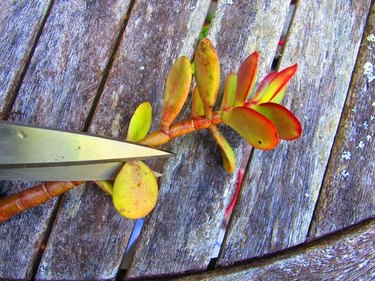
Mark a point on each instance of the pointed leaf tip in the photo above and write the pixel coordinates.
(255, 128)
(140, 122)
(135, 190)
(273, 85)
(246, 78)
(207, 74)
(176, 90)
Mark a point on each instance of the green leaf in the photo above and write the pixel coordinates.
(140, 122)
(135, 191)
(246, 78)
(197, 109)
(273, 86)
(207, 74)
(287, 124)
(229, 159)
(176, 90)
(255, 128)
(229, 91)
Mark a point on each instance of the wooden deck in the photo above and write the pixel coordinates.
(306, 209)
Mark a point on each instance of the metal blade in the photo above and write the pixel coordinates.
(26, 146)
(100, 171)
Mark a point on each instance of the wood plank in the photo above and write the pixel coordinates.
(16, 42)
(348, 193)
(347, 255)
(94, 236)
(58, 89)
(180, 234)
(281, 187)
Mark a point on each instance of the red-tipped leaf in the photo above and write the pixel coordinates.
(287, 124)
(246, 78)
(255, 128)
(274, 85)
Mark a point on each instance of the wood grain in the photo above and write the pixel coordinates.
(16, 42)
(348, 193)
(344, 256)
(94, 236)
(180, 234)
(57, 90)
(281, 187)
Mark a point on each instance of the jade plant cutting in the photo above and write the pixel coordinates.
(259, 118)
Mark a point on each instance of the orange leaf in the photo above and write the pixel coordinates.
(287, 124)
(256, 129)
(135, 191)
(197, 109)
(229, 91)
(273, 85)
(176, 90)
(246, 78)
(229, 159)
(207, 74)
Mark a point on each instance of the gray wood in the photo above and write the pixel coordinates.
(16, 42)
(348, 255)
(58, 89)
(94, 236)
(180, 234)
(281, 187)
(348, 193)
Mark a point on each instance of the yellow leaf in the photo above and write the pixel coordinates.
(229, 91)
(135, 191)
(140, 123)
(197, 109)
(176, 90)
(207, 74)
(229, 159)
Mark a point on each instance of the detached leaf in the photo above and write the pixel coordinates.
(229, 159)
(176, 90)
(273, 85)
(246, 78)
(140, 123)
(135, 191)
(229, 91)
(287, 124)
(256, 129)
(197, 109)
(207, 74)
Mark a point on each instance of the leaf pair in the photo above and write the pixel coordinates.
(135, 189)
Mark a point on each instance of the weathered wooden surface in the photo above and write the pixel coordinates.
(16, 42)
(57, 91)
(281, 187)
(181, 233)
(344, 256)
(348, 193)
(88, 229)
